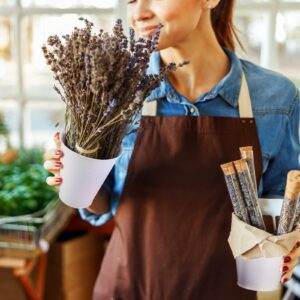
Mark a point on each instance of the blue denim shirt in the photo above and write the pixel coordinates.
(276, 109)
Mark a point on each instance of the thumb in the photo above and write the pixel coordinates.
(57, 140)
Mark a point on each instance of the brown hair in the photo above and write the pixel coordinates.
(222, 21)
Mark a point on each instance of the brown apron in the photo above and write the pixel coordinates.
(173, 219)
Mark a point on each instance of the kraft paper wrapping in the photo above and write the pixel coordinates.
(250, 242)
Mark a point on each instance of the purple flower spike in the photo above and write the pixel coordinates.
(102, 78)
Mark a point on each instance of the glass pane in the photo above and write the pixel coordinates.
(71, 3)
(7, 2)
(249, 30)
(40, 125)
(10, 110)
(288, 38)
(38, 80)
(7, 63)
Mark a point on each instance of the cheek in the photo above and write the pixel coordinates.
(168, 14)
(180, 21)
(129, 17)
(178, 29)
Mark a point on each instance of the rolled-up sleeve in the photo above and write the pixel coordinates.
(95, 219)
(287, 156)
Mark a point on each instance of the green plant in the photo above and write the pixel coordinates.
(3, 127)
(23, 188)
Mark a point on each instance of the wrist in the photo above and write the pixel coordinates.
(100, 203)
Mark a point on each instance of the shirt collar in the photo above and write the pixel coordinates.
(228, 88)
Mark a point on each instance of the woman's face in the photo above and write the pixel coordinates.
(180, 19)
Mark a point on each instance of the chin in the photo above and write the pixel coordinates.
(161, 46)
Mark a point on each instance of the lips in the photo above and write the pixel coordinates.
(147, 28)
(145, 34)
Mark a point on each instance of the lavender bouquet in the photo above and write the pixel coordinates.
(102, 80)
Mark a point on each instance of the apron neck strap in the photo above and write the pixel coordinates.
(245, 106)
(244, 102)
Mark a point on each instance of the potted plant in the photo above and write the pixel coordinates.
(23, 190)
(103, 82)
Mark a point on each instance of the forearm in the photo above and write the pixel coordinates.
(100, 204)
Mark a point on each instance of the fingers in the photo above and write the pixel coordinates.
(289, 263)
(297, 249)
(57, 140)
(53, 166)
(287, 269)
(54, 181)
(53, 154)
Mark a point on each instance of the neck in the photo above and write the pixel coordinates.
(208, 63)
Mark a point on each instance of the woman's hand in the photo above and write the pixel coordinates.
(53, 164)
(289, 263)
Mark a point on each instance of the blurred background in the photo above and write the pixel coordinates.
(269, 30)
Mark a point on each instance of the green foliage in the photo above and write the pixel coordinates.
(23, 188)
(3, 127)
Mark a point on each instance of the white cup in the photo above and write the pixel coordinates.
(82, 177)
(260, 274)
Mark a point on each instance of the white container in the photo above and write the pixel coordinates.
(82, 177)
(261, 274)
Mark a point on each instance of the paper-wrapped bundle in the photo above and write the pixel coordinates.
(257, 244)
(259, 253)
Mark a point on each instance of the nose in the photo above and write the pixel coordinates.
(141, 11)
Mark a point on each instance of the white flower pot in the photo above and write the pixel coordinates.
(261, 274)
(82, 177)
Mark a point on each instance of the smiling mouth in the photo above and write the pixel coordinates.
(148, 32)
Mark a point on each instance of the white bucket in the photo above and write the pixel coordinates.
(261, 274)
(82, 177)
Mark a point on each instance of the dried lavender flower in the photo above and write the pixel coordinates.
(102, 80)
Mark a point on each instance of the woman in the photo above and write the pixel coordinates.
(173, 212)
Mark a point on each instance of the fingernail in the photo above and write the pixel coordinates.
(298, 245)
(58, 152)
(285, 279)
(287, 259)
(285, 268)
(57, 135)
(58, 179)
(57, 164)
